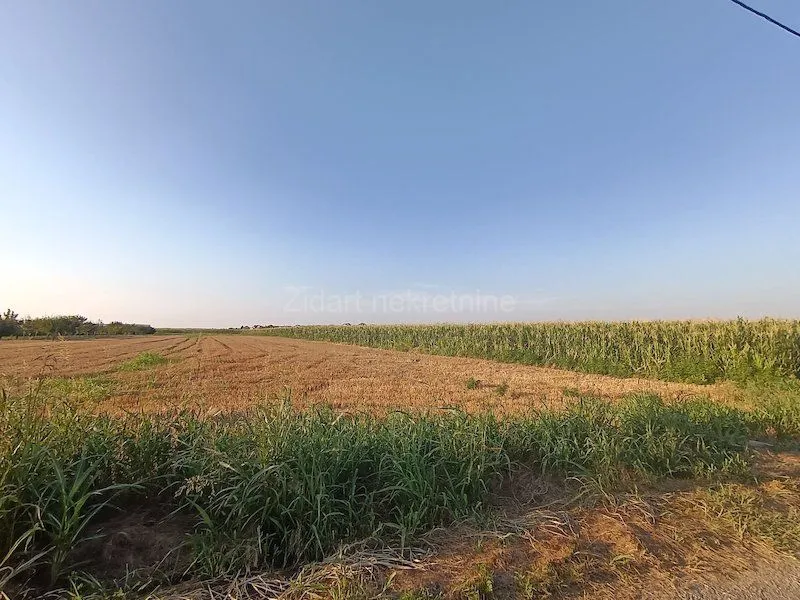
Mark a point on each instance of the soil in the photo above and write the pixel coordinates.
(141, 540)
(228, 373)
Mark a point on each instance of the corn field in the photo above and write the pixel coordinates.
(693, 351)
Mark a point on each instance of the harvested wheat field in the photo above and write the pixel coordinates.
(231, 372)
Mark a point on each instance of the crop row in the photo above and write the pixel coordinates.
(692, 351)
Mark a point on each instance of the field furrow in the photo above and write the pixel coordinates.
(234, 372)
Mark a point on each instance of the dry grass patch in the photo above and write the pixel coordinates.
(230, 373)
(656, 543)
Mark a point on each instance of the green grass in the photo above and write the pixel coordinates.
(145, 360)
(777, 407)
(276, 487)
(91, 388)
(690, 351)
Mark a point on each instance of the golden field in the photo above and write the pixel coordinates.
(232, 372)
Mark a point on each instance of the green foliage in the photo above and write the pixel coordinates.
(90, 388)
(277, 487)
(144, 360)
(641, 435)
(692, 351)
(119, 328)
(65, 325)
(68, 504)
(9, 324)
(472, 383)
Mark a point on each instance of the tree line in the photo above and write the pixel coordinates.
(65, 325)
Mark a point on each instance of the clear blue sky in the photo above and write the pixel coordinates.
(210, 164)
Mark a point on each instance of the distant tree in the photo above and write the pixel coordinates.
(71, 325)
(88, 328)
(9, 324)
(39, 326)
(119, 328)
(27, 326)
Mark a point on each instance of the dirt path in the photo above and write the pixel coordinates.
(766, 581)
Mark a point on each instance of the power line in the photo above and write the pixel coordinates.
(767, 17)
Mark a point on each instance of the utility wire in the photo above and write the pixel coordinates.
(767, 17)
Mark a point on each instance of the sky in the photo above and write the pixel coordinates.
(192, 163)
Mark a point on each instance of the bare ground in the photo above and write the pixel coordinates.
(232, 372)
